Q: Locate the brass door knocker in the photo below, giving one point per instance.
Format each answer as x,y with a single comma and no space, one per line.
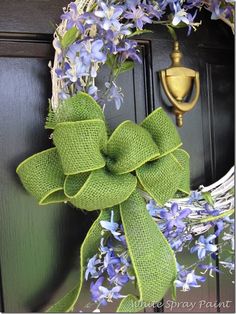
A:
177,82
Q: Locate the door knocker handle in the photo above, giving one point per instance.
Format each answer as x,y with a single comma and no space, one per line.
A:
177,82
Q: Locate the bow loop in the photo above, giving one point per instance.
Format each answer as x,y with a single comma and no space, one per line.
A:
161,178
80,107
43,177
80,145
163,131
99,189
129,147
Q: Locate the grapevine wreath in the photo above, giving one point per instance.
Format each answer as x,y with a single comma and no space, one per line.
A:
137,175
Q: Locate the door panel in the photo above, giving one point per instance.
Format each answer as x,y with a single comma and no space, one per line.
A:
34,17
40,244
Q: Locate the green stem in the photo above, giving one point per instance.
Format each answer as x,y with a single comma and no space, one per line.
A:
213,218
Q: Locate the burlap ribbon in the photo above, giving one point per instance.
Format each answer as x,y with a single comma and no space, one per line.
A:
92,170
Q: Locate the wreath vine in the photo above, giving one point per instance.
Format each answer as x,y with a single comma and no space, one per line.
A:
138,175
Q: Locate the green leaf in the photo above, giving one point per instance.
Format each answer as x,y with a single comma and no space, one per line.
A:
208,198
140,32
180,25
117,67
124,67
111,60
70,36
214,218
172,32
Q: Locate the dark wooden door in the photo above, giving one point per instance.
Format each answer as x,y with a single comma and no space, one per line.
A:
40,245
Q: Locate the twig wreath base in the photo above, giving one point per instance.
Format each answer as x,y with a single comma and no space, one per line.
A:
138,175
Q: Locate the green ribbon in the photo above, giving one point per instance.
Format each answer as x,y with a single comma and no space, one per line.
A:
93,170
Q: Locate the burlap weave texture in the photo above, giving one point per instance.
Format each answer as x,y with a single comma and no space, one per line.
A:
93,171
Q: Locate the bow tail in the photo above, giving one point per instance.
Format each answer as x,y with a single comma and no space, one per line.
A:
88,249
152,257
130,304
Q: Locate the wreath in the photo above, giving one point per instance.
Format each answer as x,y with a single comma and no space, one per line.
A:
137,175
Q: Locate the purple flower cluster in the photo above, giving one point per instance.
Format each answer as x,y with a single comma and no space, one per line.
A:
174,223
87,39
204,245
111,267
188,279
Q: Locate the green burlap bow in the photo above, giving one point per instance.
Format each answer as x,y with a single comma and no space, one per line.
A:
93,171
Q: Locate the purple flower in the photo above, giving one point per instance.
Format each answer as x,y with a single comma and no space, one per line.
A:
94,290
128,49
191,280
132,3
177,239
114,38
110,16
107,295
152,208
116,275
111,226
204,245
191,18
229,237
182,272
57,46
122,237
192,4
153,10
180,15
209,267
92,267
73,18
63,96
210,210
220,227
73,50
229,220
93,90
76,70
125,261
174,217
229,9
110,259
194,197
90,51
114,94
215,9
105,249
138,16
177,245
228,264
